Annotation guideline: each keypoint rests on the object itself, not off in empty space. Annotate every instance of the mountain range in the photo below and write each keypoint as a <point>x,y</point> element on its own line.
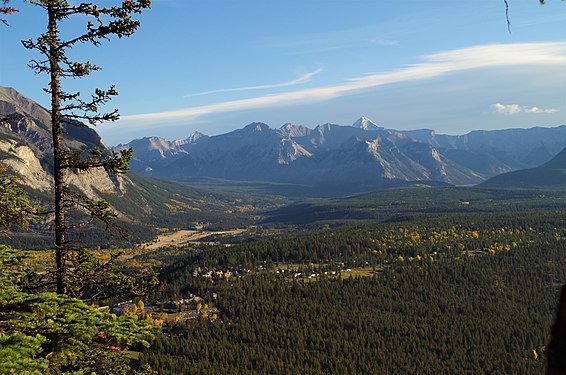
<point>363,155</point>
<point>344,159</point>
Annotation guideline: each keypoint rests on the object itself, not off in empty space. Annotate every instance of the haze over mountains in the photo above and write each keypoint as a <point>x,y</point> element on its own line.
<point>364,155</point>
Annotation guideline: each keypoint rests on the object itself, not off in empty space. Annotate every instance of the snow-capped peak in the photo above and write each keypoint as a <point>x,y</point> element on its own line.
<point>366,124</point>
<point>195,136</point>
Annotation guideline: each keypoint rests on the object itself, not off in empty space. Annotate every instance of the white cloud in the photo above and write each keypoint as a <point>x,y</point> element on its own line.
<point>541,110</point>
<point>513,109</point>
<point>301,79</point>
<point>435,65</point>
<point>507,109</point>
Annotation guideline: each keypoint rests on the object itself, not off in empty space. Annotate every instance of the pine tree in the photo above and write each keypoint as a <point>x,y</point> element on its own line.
<point>53,333</point>
<point>68,108</point>
<point>6,10</point>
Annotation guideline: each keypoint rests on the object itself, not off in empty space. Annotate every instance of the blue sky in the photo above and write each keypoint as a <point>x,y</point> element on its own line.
<point>214,66</point>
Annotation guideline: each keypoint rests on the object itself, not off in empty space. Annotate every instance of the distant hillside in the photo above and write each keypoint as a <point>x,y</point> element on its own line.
<point>414,201</point>
<point>549,175</point>
<point>330,157</point>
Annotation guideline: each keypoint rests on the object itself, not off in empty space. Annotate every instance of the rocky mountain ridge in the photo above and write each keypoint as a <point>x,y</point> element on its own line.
<point>26,146</point>
<point>361,157</point>
<point>363,153</point>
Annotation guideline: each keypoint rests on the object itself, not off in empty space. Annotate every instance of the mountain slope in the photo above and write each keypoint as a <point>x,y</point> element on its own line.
<point>502,149</point>
<point>26,145</point>
<point>141,202</point>
<point>549,175</point>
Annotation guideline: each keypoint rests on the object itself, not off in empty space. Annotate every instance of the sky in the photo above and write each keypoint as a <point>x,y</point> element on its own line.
<point>214,66</point>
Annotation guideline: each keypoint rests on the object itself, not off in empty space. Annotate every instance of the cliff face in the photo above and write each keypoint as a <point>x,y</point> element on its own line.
<point>26,147</point>
<point>22,161</point>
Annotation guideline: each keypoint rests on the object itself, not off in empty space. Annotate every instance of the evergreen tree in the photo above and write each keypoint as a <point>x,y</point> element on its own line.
<point>6,10</point>
<point>53,333</point>
<point>67,108</point>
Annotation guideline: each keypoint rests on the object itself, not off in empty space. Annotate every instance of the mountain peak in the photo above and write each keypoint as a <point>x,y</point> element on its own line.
<point>365,124</point>
<point>291,130</point>
<point>256,127</point>
<point>194,137</point>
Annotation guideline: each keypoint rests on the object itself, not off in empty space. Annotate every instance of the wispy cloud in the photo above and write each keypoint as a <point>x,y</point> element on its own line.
<point>513,109</point>
<point>331,42</point>
<point>301,79</point>
<point>384,42</point>
<point>433,66</point>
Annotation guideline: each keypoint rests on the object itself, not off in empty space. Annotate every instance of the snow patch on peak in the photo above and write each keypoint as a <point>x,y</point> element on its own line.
<point>193,138</point>
<point>365,124</point>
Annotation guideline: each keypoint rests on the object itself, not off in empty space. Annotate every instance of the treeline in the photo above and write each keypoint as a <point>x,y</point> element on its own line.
<point>39,236</point>
<point>365,245</point>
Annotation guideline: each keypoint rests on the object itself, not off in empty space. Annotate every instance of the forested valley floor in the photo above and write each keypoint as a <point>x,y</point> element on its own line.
<point>450,294</point>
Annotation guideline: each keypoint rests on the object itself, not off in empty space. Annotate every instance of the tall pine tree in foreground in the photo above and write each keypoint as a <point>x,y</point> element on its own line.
<point>102,22</point>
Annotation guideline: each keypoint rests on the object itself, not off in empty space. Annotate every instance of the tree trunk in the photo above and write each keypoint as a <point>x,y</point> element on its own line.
<point>58,152</point>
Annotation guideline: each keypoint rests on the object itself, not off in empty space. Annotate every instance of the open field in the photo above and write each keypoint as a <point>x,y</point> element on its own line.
<point>186,237</point>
